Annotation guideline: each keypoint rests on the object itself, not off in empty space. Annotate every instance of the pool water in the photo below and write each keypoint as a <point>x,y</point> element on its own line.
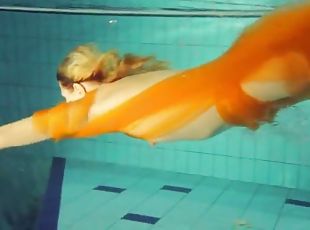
<point>237,180</point>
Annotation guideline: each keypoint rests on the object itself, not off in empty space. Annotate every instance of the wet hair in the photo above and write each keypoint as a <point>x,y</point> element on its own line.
<point>87,63</point>
<point>68,82</point>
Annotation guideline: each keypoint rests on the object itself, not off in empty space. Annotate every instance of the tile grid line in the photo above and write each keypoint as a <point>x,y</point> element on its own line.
<point>111,200</point>
<point>137,205</point>
<point>215,200</point>
<point>281,210</point>
<point>258,187</point>
<point>180,200</point>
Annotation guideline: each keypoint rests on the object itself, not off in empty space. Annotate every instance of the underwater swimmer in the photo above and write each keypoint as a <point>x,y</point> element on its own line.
<point>265,70</point>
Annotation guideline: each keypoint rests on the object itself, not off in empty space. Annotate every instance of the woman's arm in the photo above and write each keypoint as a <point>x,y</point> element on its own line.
<point>20,133</point>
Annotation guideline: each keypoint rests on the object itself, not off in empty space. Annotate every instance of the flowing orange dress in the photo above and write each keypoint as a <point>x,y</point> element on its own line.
<point>276,47</point>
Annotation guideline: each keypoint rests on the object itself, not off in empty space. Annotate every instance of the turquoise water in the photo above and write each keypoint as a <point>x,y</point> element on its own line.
<point>32,44</point>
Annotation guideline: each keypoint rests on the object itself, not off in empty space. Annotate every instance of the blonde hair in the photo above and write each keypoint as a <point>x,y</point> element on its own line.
<point>86,62</point>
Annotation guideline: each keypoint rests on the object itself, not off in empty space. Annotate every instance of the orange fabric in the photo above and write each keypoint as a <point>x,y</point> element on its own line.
<point>283,35</point>
<point>64,119</point>
<point>176,93</point>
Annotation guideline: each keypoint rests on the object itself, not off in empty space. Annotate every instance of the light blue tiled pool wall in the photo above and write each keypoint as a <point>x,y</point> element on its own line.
<point>33,44</point>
